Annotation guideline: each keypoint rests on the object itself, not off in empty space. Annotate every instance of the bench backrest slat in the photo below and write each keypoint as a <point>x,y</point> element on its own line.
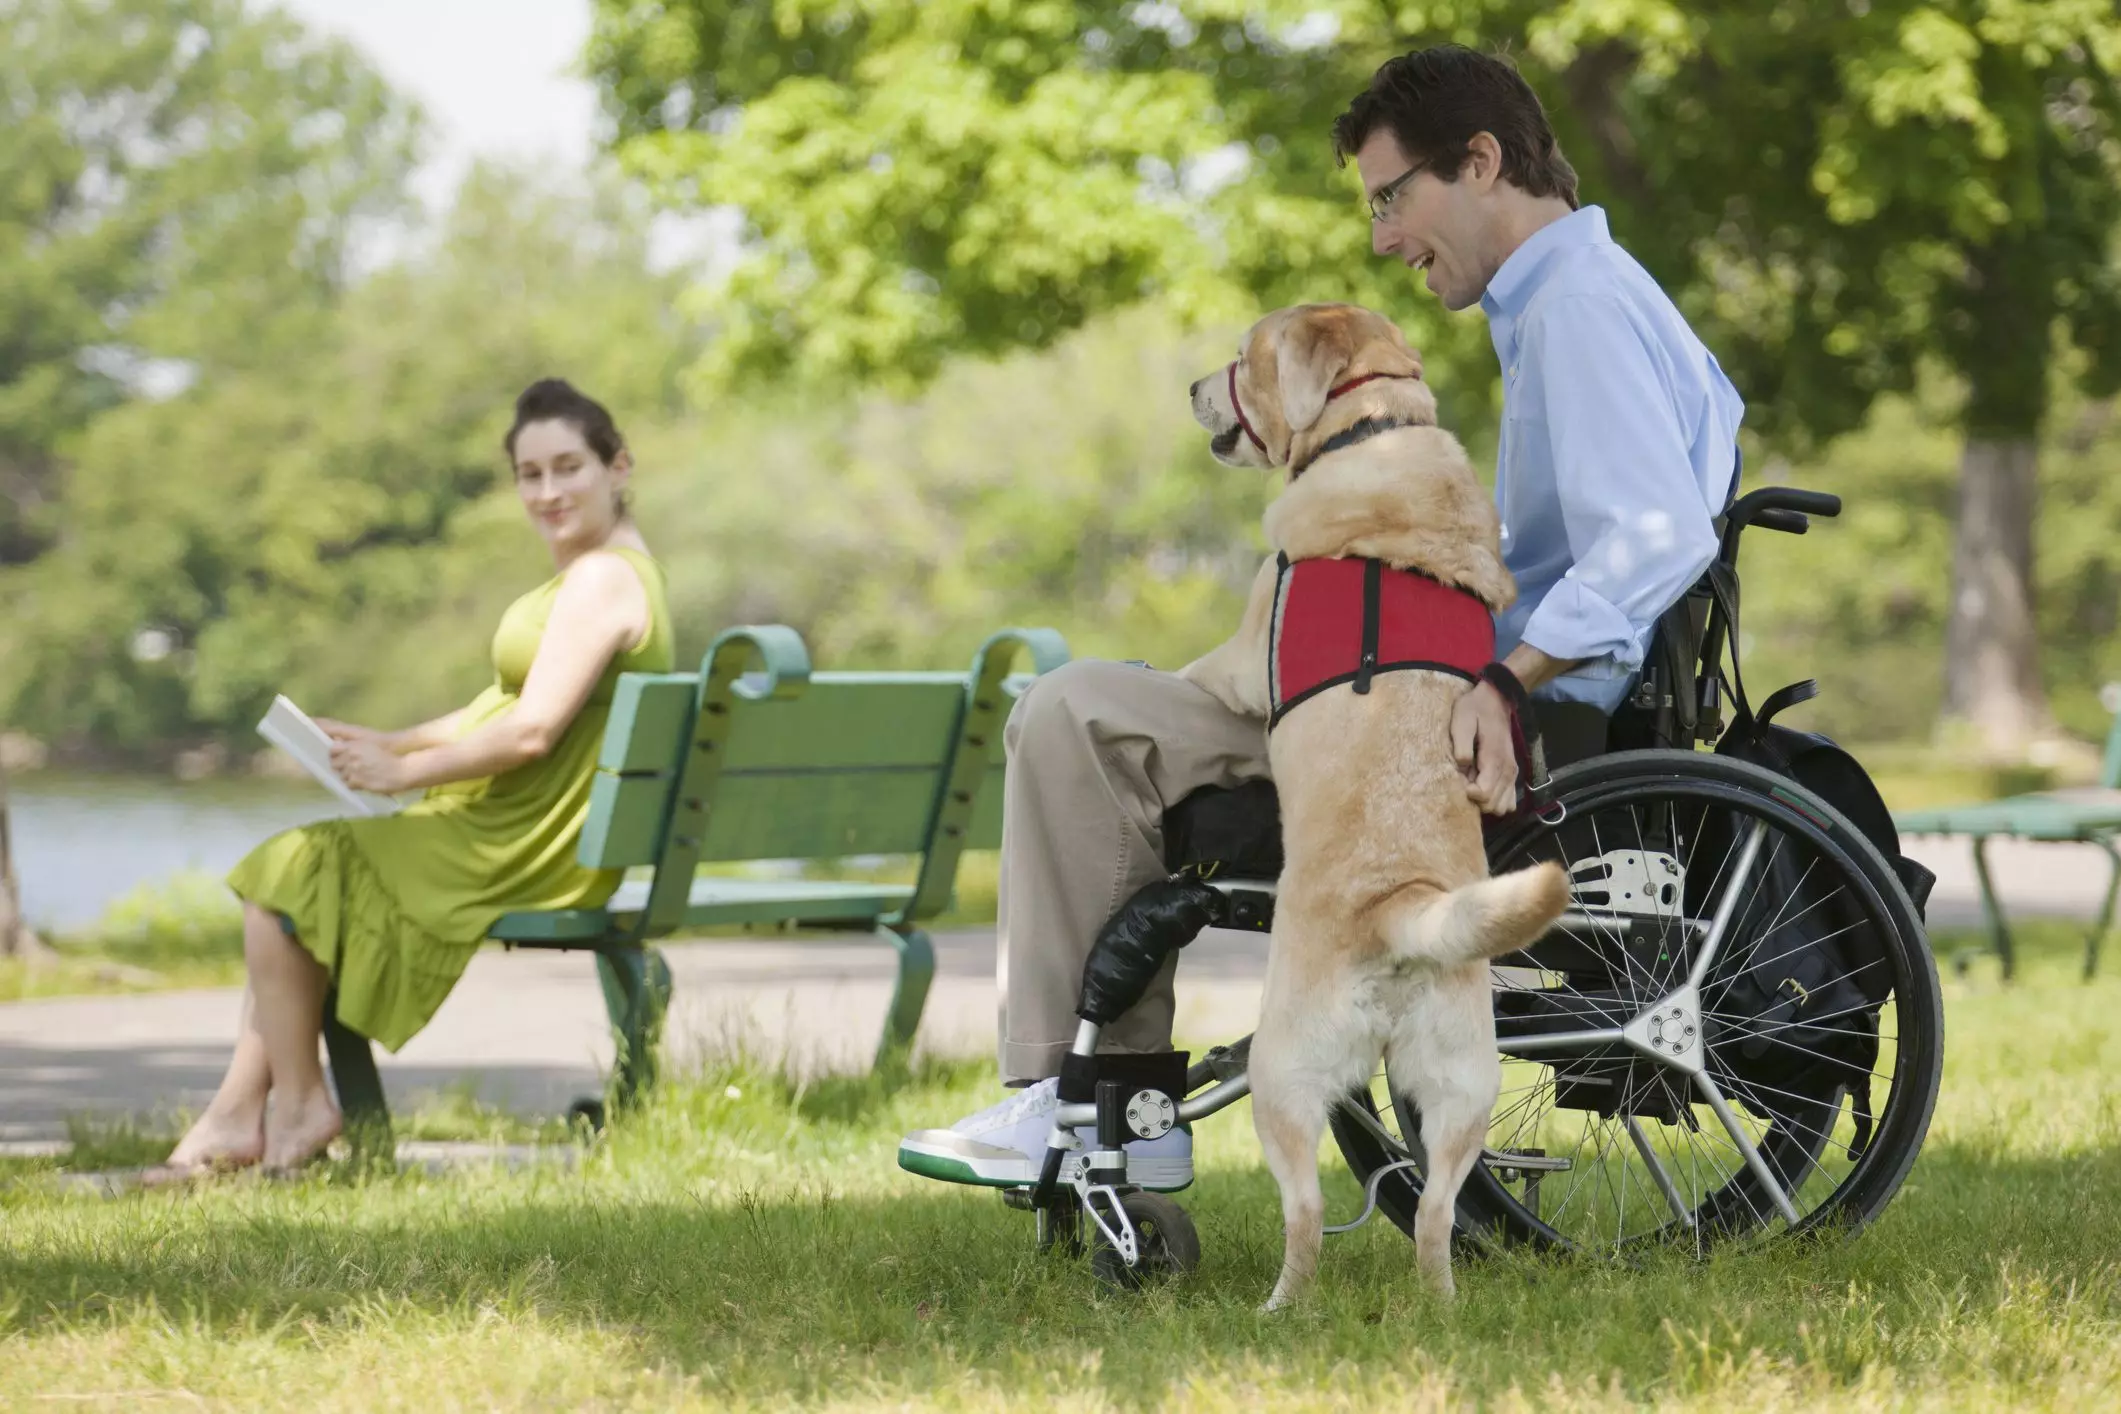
<point>782,763</point>
<point>848,767</point>
<point>2110,774</point>
<point>644,739</point>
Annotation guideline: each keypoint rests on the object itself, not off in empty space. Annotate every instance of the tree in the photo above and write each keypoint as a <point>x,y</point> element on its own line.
<point>1840,193</point>
<point>16,938</point>
<point>180,183</point>
<point>970,176</point>
<point>285,528</point>
<point>1862,191</point>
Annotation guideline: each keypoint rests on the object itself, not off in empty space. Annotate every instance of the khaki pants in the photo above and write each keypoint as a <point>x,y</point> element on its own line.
<point>1096,751</point>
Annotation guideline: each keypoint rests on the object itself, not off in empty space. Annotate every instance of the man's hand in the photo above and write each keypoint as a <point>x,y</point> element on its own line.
<point>1482,745</point>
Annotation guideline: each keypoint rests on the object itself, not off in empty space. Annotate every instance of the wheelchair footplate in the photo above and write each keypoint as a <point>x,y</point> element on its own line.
<point>1134,1235</point>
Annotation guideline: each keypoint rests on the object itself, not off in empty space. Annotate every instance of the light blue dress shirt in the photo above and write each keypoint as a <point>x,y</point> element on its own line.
<point>1618,448</point>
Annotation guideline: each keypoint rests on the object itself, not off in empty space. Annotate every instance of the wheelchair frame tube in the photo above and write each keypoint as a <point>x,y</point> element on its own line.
<point>1215,1097</point>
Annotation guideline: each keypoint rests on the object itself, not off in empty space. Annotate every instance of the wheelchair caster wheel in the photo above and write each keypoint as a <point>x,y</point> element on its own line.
<point>1169,1244</point>
<point>587,1112</point>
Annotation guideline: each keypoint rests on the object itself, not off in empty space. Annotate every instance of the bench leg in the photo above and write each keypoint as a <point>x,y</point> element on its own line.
<point>1999,933</point>
<point>359,1087</point>
<point>636,985</point>
<point>2106,910</point>
<point>916,970</point>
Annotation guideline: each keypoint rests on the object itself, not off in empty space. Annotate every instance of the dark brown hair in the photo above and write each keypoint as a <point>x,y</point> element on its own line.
<point>557,400</point>
<point>1435,100</point>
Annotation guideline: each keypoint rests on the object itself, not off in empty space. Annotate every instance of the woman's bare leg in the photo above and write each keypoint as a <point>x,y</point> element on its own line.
<point>231,1131</point>
<point>289,985</point>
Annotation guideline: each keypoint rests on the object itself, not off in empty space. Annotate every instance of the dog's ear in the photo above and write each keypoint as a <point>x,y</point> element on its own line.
<point>1316,347</point>
<point>1385,351</point>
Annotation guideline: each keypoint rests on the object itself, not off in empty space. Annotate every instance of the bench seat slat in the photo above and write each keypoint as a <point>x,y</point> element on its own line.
<point>713,902</point>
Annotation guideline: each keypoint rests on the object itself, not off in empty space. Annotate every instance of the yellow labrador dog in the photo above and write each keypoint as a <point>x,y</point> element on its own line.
<point>1357,640</point>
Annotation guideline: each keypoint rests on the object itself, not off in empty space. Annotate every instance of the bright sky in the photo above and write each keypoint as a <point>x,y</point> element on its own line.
<point>495,76</point>
<point>497,79</point>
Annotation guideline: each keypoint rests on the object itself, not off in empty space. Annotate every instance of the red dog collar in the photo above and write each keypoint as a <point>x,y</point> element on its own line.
<point>1348,387</point>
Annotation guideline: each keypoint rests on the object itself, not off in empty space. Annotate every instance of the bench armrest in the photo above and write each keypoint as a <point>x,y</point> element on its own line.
<point>1048,651</point>
<point>778,649</point>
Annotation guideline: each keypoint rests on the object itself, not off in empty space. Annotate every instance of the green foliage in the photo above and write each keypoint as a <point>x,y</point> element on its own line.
<point>1860,603</point>
<point>275,529</point>
<point>1847,192</point>
<point>922,179</point>
<point>991,241</point>
<point>187,917</point>
<point>179,180</point>
<point>1840,195</point>
<point>1838,190</point>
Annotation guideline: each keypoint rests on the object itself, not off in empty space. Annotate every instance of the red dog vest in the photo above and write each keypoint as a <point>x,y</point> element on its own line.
<point>1344,621</point>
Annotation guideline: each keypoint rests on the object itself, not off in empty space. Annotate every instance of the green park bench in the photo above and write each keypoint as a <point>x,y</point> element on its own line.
<point>2085,815</point>
<point>756,757</point>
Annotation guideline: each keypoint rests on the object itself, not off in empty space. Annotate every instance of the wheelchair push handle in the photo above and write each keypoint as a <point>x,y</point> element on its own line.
<point>1785,508</point>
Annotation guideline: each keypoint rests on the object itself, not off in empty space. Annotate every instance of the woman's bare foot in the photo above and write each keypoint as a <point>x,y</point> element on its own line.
<point>215,1144</point>
<point>299,1129</point>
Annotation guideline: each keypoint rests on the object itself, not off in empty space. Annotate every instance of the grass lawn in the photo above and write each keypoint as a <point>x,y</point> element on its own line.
<point>742,1244</point>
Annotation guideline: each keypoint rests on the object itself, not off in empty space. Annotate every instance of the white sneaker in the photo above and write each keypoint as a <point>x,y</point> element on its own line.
<point>1004,1146</point>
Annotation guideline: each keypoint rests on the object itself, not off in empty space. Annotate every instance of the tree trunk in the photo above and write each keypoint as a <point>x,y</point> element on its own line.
<point>2001,339</point>
<point>16,939</point>
<point>1991,644</point>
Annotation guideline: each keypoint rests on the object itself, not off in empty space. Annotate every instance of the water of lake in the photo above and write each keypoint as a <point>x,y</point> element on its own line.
<point>81,842</point>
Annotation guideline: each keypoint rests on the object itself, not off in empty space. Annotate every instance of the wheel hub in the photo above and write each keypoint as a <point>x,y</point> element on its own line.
<point>1669,1031</point>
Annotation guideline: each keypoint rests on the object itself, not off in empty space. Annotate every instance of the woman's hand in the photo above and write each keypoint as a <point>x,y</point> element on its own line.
<point>347,731</point>
<point>368,764</point>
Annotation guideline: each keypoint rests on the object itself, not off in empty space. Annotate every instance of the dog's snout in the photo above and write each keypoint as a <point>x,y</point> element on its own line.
<point>1194,391</point>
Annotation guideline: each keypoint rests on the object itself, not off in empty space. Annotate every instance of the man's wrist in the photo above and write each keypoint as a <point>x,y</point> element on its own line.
<point>1534,667</point>
<point>1504,681</point>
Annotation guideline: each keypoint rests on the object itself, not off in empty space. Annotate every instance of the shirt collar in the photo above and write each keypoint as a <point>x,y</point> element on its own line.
<point>1518,278</point>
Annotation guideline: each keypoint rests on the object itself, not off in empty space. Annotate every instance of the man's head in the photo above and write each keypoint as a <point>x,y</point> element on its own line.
<point>1458,162</point>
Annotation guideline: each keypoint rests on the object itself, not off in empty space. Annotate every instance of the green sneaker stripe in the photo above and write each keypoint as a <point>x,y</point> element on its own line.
<point>948,1170</point>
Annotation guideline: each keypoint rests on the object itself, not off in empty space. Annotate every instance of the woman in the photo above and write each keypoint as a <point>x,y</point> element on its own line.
<point>388,910</point>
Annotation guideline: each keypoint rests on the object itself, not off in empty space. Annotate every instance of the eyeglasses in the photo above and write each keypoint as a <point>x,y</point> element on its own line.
<point>1381,200</point>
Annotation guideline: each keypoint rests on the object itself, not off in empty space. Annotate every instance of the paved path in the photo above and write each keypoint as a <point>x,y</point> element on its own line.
<point>527,1031</point>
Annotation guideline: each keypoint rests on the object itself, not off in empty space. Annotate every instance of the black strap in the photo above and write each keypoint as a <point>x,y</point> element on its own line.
<point>1789,696</point>
<point>1723,587</point>
<point>1373,591</point>
<point>1498,676</point>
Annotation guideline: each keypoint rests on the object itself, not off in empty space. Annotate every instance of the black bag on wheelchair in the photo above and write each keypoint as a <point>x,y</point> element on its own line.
<point>1814,974</point>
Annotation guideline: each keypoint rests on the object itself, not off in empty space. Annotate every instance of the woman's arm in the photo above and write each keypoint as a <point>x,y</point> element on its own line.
<point>408,739</point>
<point>600,611</point>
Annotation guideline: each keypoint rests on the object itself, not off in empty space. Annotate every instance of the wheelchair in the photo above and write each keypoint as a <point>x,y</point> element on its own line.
<point>1733,1036</point>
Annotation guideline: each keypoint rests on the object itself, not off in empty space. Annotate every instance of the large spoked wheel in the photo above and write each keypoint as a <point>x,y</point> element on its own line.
<point>1735,1034</point>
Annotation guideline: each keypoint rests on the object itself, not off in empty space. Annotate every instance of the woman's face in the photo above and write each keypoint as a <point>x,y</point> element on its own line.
<point>572,496</point>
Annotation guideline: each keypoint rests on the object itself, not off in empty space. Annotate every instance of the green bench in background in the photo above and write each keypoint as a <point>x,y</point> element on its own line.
<point>756,757</point>
<point>2086,815</point>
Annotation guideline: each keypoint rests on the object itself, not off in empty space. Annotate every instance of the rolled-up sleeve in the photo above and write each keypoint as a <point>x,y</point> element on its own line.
<point>1639,533</point>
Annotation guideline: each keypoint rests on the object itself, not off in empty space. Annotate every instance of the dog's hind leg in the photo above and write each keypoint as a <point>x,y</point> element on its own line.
<point>1290,1117</point>
<point>1452,1138</point>
<point>1454,1078</point>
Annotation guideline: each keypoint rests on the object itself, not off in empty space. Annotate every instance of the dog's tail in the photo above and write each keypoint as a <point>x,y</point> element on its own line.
<point>1479,921</point>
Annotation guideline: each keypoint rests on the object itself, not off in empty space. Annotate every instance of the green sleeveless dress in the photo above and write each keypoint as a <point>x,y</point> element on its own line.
<point>395,905</point>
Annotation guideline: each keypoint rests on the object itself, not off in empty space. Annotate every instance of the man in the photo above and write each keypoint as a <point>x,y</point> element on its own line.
<point>1618,447</point>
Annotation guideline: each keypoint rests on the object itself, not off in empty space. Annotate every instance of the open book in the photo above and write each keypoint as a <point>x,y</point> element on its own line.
<point>290,728</point>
